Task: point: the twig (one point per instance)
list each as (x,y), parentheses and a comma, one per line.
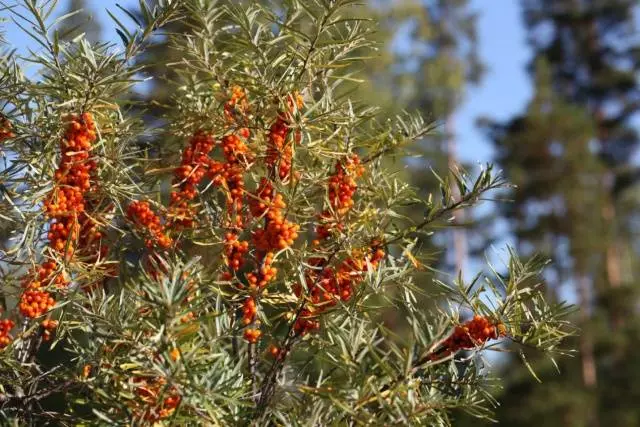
(252,369)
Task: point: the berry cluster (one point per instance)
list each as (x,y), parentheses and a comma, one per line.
(237,105)
(150,391)
(34,303)
(71,229)
(279,150)
(328,286)
(67,204)
(5,327)
(469,335)
(278,233)
(47,274)
(193,168)
(73,176)
(230,175)
(252,335)
(141,214)
(235,251)
(249,310)
(48,327)
(264,199)
(342,184)
(196,164)
(6,131)
(260,278)
(342,188)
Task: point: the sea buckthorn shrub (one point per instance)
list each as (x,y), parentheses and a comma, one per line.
(231,263)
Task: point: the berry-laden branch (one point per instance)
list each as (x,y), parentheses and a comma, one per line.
(325,286)
(196,165)
(74,232)
(6,325)
(471,335)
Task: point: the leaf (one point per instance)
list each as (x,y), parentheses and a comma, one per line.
(123,37)
(528,365)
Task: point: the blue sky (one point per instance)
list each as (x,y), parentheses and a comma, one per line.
(505,88)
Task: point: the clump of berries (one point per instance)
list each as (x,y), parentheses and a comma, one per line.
(197,164)
(279,150)
(278,233)
(71,229)
(48,328)
(5,328)
(237,105)
(193,168)
(235,251)
(141,214)
(329,285)
(342,184)
(249,310)
(154,405)
(6,131)
(264,274)
(34,303)
(471,334)
(229,175)
(67,203)
(342,187)
(252,335)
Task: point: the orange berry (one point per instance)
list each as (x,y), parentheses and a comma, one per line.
(252,335)
(174,354)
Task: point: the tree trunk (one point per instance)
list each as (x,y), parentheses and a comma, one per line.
(459,235)
(589,372)
(613,266)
